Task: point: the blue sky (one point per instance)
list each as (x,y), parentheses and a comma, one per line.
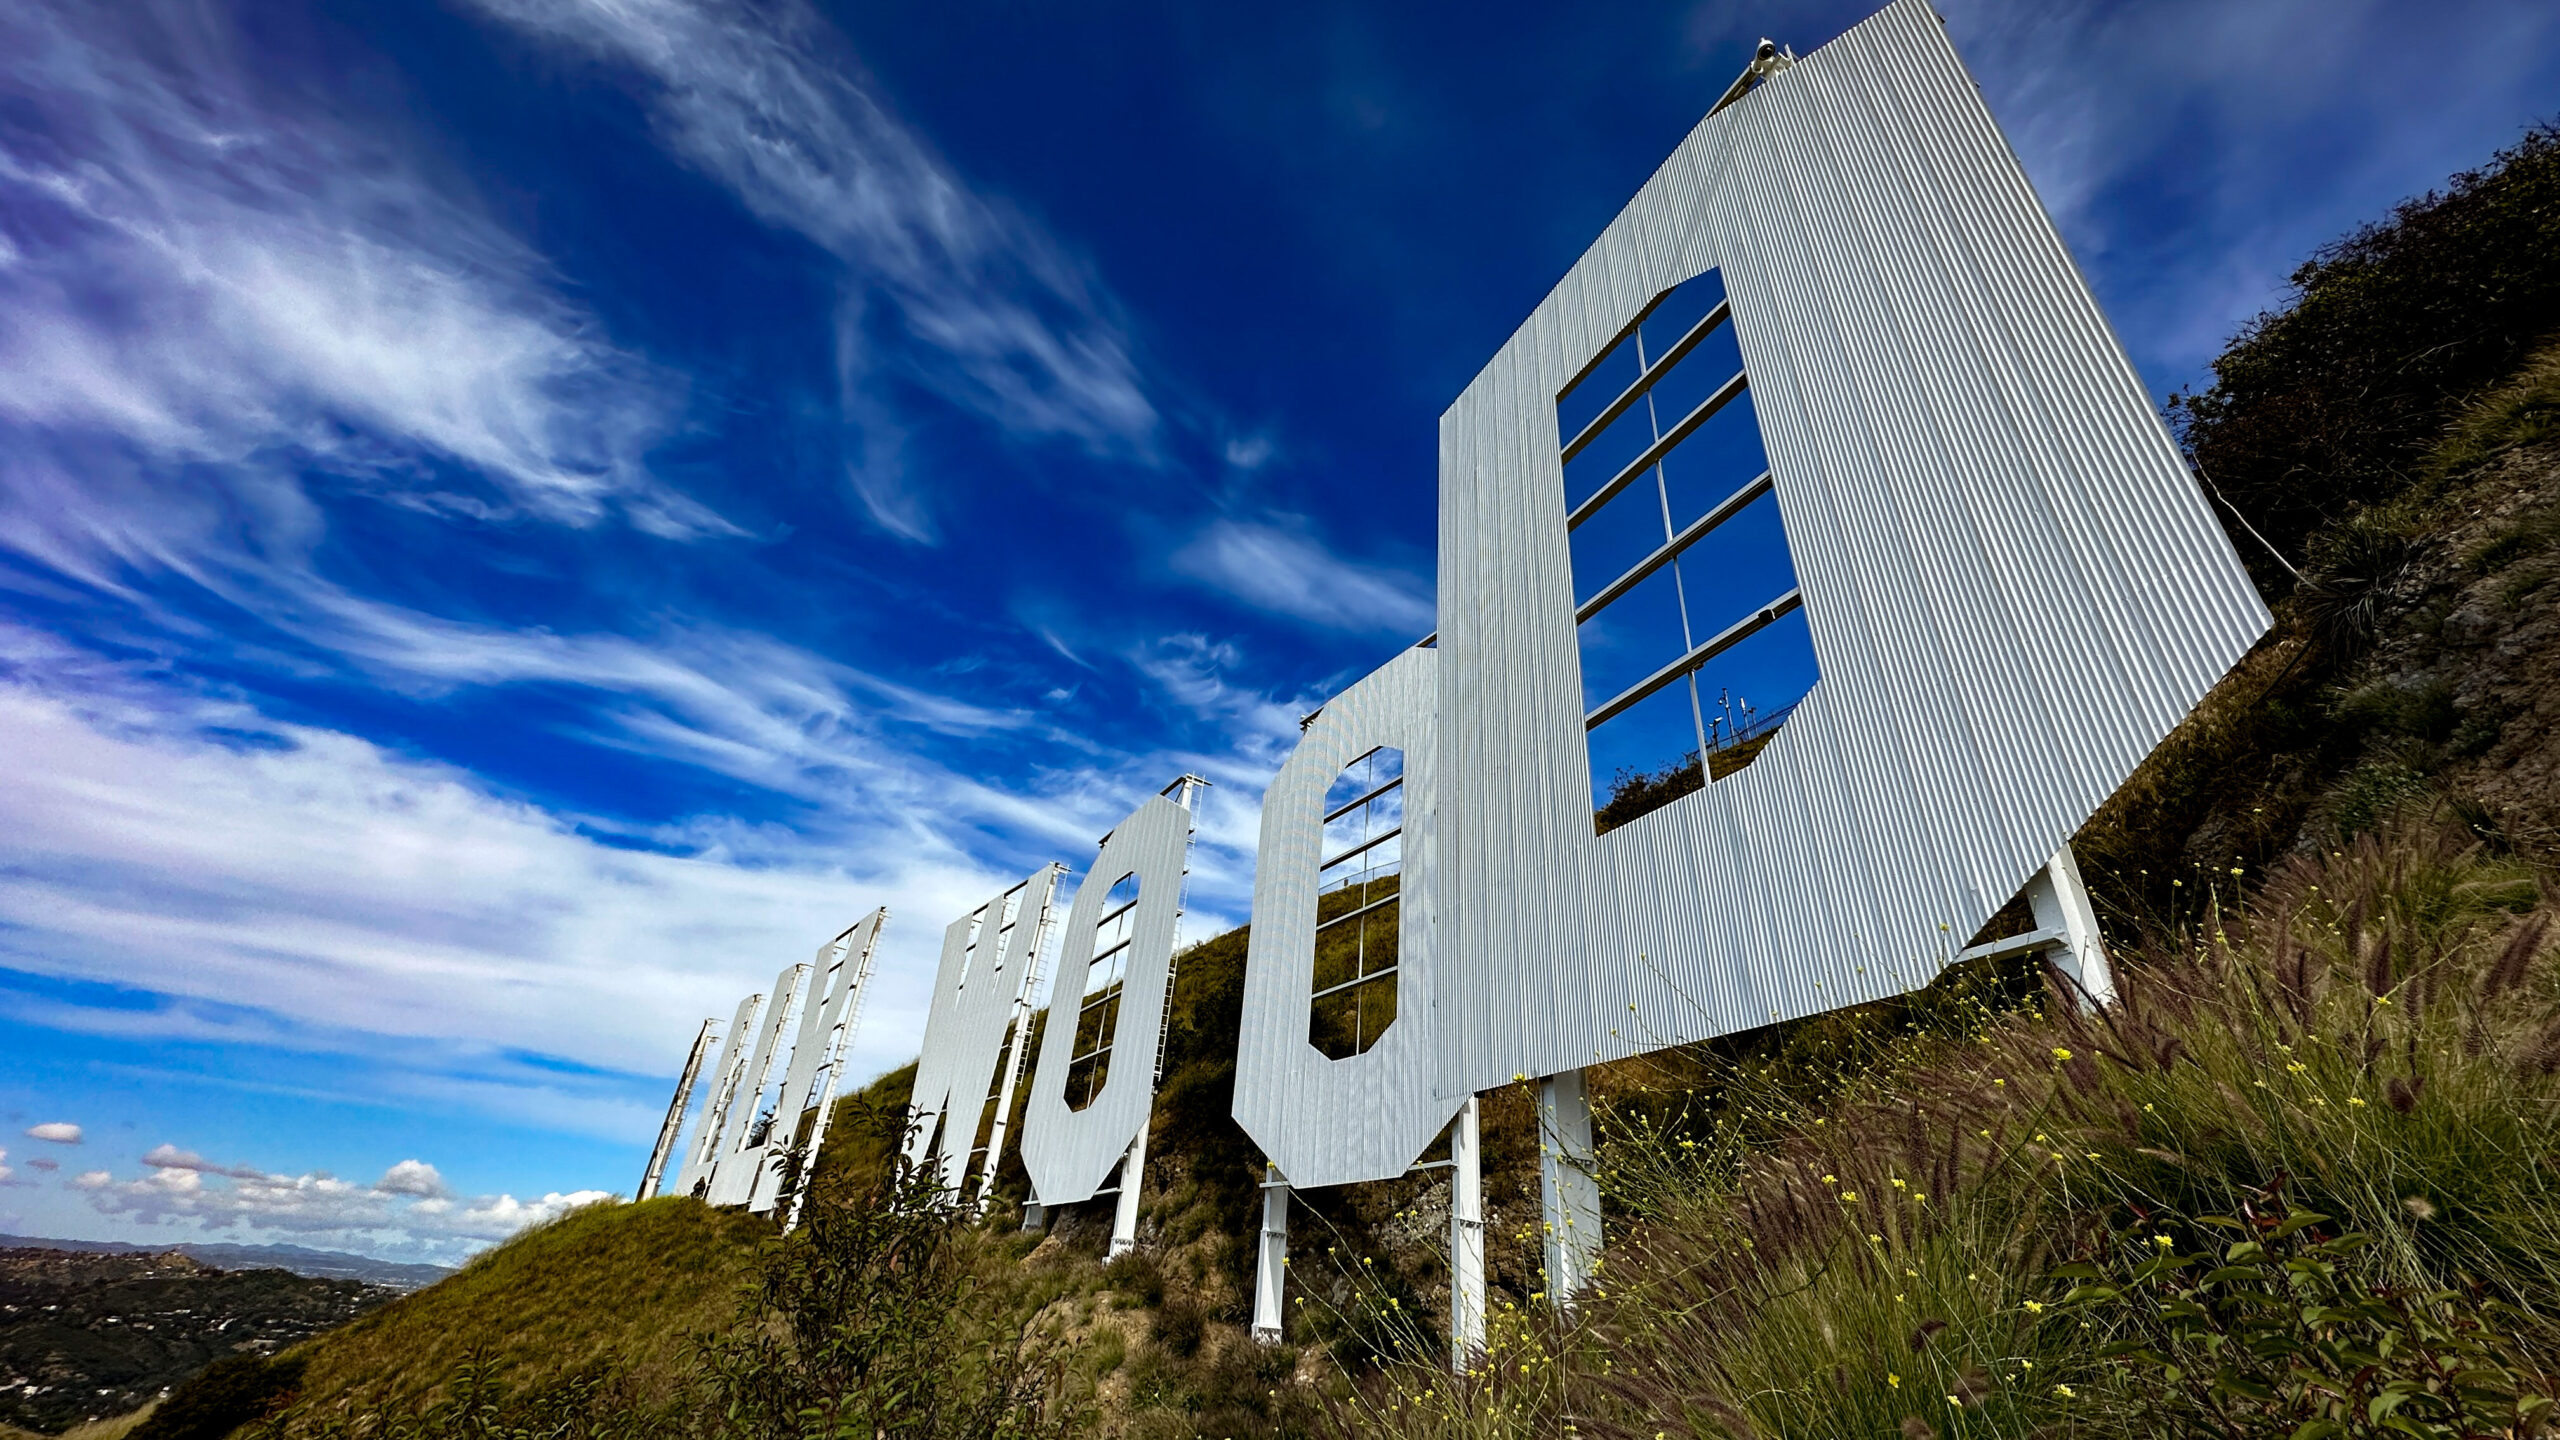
(519,517)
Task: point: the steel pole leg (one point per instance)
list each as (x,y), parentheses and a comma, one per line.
(1569,1198)
(1466,1239)
(1124,1216)
(1271,1267)
(2060,901)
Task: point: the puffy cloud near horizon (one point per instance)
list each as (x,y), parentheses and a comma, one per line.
(59,1132)
(414,1178)
(409,1213)
(170,1157)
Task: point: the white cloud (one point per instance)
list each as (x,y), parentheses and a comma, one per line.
(947,287)
(170,1157)
(1251,452)
(415,1178)
(225,269)
(45,1163)
(60,1132)
(1281,569)
(286,886)
(321,879)
(409,1211)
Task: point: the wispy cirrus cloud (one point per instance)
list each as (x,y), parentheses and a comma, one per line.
(947,287)
(280,886)
(1280,567)
(317,878)
(214,269)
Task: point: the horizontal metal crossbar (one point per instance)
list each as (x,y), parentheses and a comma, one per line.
(1725,509)
(1365,799)
(1098,997)
(1125,907)
(1363,910)
(1678,352)
(2032,940)
(1654,452)
(1350,984)
(1370,843)
(1732,635)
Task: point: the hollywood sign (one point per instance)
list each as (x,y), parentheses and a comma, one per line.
(1827,407)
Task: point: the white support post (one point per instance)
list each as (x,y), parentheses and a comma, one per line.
(1034,1215)
(1466,1239)
(1271,1266)
(1568,1196)
(2060,901)
(1124,1215)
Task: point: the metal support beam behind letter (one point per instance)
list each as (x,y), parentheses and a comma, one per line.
(674,1123)
(1271,1264)
(1466,1238)
(1124,1212)
(2060,901)
(1568,1196)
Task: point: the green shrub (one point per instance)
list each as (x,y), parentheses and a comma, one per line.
(2275,1333)
(2334,401)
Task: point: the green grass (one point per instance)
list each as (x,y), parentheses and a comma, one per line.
(2373,1038)
(625,1287)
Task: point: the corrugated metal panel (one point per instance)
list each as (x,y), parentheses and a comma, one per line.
(1070,1152)
(2014,589)
(1324,1121)
(964,1030)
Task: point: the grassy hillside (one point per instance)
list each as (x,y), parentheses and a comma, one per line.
(622,1287)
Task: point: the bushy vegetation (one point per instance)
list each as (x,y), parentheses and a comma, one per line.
(2334,402)
(1969,1243)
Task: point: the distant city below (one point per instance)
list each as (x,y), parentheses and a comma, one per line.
(301,1260)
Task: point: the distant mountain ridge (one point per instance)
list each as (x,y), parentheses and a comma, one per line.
(299,1259)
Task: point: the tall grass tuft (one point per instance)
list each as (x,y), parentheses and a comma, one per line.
(2373,1040)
